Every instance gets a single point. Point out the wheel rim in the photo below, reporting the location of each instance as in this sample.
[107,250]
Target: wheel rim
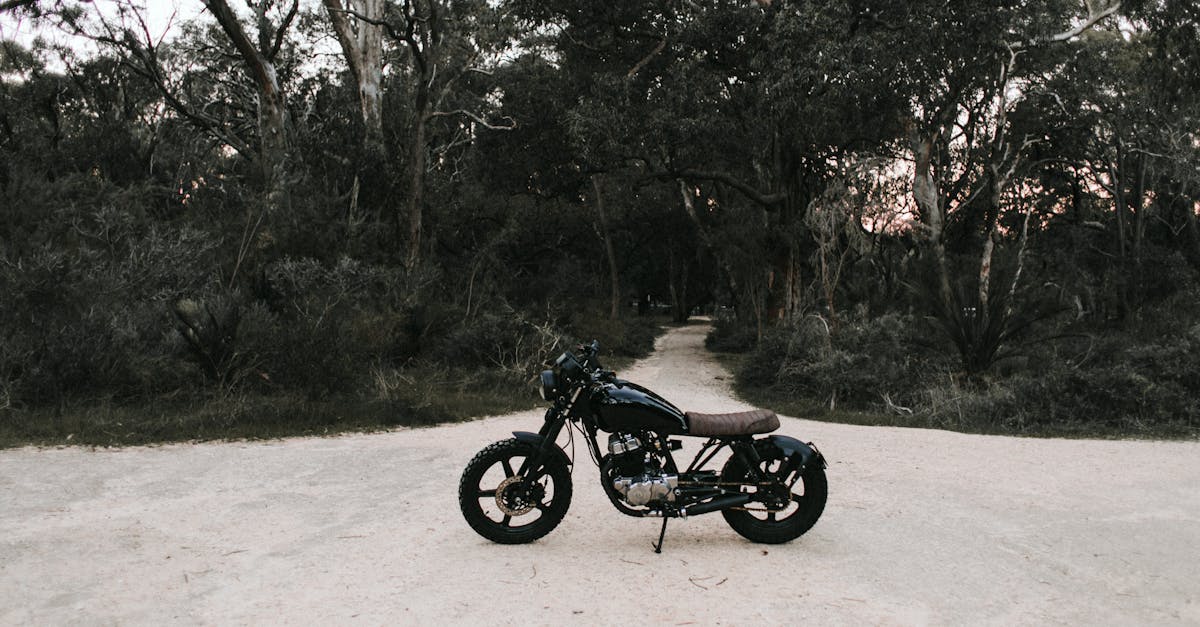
[507,501]
[784,499]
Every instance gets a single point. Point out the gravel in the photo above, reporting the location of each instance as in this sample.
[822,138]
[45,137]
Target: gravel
[922,527]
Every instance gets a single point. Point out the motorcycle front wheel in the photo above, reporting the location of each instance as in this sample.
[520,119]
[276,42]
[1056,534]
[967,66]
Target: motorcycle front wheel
[505,507]
[804,501]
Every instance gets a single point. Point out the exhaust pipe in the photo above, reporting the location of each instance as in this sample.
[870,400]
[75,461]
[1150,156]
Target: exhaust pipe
[719,503]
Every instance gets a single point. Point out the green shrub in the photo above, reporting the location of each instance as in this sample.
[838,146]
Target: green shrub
[729,335]
[1117,384]
[628,336]
[508,341]
[859,364]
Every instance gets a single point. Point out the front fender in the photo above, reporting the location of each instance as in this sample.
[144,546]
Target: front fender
[802,455]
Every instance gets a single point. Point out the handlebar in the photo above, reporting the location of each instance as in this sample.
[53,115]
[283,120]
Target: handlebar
[590,364]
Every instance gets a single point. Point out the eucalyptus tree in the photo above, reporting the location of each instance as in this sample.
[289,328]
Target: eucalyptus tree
[359,29]
[735,106]
[443,47]
[248,115]
[975,115]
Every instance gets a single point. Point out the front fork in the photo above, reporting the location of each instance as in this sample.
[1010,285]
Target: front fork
[531,469]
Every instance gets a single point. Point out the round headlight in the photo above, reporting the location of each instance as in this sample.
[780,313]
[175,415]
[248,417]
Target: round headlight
[549,385]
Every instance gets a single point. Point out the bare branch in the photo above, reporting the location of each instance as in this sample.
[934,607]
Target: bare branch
[233,28]
[662,43]
[1094,17]
[766,200]
[408,37]
[145,63]
[345,34]
[510,123]
[279,34]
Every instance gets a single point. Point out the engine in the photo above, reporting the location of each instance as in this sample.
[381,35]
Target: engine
[640,478]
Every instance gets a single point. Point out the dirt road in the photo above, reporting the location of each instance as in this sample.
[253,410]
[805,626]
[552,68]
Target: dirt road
[922,527]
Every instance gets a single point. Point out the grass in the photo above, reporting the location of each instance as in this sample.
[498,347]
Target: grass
[258,416]
[409,398]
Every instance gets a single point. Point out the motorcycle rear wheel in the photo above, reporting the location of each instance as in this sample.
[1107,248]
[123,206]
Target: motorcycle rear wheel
[493,497]
[807,499]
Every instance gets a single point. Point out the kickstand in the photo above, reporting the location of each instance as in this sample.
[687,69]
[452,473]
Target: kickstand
[658,547]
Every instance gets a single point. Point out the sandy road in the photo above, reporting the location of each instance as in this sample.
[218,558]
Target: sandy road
[921,527]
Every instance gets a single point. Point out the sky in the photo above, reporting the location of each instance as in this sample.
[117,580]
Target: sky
[158,17]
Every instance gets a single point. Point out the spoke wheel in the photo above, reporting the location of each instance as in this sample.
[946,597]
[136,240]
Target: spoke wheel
[505,506]
[779,513]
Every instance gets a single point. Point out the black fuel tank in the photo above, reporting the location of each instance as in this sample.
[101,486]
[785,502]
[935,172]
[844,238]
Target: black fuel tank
[625,406]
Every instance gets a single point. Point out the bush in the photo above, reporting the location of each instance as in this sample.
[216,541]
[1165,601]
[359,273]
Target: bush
[859,365]
[508,341]
[628,336]
[94,320]
[1116,385]
[728,335]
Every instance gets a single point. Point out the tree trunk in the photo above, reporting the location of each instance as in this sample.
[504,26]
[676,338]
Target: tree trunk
[1137,203]
[416,179]
[992,216]
[926,194]
[273,124]
[610,253]
[792,304]
[272,106]
[689,207]
[1120,207]
[362,45]
[1193,228]
[677,280]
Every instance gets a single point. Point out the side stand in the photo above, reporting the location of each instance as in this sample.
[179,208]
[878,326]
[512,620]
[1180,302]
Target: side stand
[658,547]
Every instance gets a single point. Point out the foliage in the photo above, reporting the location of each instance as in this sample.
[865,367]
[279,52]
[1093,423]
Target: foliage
[203,216]
[1136,381]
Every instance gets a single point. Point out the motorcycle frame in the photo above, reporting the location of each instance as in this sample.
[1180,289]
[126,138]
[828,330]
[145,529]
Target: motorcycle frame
[702,501]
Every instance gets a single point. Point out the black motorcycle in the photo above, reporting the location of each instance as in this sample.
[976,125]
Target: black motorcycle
[771,489]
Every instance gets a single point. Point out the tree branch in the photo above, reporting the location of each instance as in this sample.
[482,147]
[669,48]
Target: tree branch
[662,43]
[147,65]
[1092,19]
[279,34]
[408,38]
[345,35]
[511,123]
[768,200]
[233,28]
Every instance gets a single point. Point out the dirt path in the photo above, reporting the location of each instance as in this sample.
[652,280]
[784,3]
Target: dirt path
[922,527]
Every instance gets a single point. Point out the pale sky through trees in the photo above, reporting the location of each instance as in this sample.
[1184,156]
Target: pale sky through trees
[158,17]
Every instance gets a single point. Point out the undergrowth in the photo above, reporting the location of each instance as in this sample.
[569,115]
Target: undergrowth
[1136,380]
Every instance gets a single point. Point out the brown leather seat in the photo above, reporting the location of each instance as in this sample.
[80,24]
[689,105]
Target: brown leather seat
[739,423]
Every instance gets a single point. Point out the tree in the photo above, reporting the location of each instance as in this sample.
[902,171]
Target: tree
[361,39]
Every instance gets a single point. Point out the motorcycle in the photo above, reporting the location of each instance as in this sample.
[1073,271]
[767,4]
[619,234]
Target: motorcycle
[770,489]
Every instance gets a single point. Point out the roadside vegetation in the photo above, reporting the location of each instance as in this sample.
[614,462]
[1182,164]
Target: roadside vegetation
[901,369]
[275,217]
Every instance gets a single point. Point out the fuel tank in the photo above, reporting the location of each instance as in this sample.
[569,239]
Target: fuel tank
[625,406]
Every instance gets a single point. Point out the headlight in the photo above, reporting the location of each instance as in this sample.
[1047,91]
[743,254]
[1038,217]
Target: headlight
[549,385]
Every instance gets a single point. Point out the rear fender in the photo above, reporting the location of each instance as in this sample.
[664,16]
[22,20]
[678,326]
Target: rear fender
[800,455]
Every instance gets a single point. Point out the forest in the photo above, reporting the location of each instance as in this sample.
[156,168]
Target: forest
[278,217]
